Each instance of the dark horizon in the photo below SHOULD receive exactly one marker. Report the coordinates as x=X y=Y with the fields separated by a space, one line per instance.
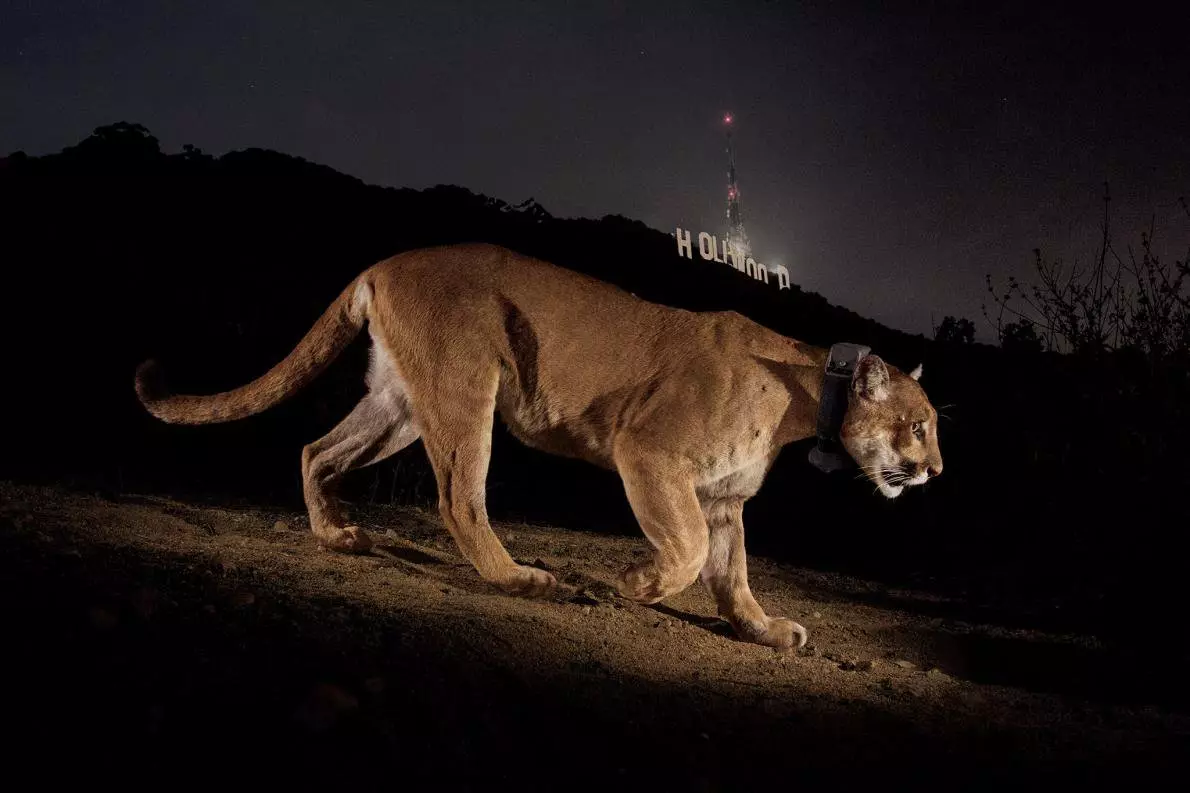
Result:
x=888 y=160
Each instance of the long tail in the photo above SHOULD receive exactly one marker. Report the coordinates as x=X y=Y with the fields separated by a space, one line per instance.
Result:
x=331 y=334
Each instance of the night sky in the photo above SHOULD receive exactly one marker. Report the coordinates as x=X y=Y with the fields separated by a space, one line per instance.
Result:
x=889 y=160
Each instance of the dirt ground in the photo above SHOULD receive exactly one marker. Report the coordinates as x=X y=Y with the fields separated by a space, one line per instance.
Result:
x=162 y=643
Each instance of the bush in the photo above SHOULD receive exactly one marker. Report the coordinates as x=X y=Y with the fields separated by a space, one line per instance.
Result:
x=1117 y=303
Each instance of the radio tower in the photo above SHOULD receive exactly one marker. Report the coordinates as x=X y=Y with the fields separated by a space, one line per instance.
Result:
x=737 y=239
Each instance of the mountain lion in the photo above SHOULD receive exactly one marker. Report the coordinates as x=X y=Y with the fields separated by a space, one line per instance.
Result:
x=689 y=408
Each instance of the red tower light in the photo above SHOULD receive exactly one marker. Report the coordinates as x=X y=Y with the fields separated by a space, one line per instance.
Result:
x=727 y=119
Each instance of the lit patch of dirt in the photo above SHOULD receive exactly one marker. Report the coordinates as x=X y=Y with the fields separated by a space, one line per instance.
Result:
x=150 y=633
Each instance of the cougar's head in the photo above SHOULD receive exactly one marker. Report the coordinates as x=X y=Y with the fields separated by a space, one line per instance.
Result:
x=891 y=429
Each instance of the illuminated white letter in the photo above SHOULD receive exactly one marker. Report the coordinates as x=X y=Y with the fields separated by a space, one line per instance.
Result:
x=782 y=275
x=704 y=246
x=684 y=248
x=715 y=249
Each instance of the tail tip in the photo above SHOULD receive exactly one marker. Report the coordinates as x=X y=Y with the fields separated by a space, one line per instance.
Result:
x=149 y=386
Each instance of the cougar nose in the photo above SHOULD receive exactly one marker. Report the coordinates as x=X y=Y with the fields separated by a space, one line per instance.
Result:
x=933 y=470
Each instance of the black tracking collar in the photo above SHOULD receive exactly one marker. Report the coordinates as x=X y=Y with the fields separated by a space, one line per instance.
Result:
x=829 y=455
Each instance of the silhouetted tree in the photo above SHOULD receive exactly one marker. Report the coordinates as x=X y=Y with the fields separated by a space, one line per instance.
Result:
x=954 y=330
x=121 y=140
x=1020 y=336
x=191 y=153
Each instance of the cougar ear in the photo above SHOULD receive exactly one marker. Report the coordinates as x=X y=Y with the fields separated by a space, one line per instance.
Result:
x=916 y=373
x=870 y=380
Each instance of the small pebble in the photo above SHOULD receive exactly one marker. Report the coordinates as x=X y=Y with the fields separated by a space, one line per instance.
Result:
x=102 y=619
x=242 y=599
x=325 y=705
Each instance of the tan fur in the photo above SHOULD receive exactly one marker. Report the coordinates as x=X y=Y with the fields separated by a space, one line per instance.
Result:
x=690 y=409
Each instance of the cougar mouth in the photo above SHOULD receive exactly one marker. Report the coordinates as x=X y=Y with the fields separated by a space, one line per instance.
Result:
x=889 y=480
x=893 y=481
x=891 y=485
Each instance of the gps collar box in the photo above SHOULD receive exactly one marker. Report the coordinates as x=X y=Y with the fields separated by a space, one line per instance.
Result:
x=829 y=455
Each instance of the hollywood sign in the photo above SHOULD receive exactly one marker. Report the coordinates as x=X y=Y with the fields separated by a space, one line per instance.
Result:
x=712 y=250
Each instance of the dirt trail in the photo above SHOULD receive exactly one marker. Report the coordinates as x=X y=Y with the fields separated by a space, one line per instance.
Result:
x=149 y=632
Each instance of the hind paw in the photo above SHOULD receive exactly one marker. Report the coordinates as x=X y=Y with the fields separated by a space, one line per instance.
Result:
x=529 y=582
x=345 y=539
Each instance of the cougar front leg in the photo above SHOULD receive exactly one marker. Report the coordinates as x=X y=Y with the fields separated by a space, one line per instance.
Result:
x=379 y=426
x=666 y=507
x=726 y=576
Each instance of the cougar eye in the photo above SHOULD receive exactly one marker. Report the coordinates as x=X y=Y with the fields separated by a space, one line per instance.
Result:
x=918 y=430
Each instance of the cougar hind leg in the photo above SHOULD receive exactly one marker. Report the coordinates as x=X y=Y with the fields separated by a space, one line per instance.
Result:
x=381 y=425
x=458 y=440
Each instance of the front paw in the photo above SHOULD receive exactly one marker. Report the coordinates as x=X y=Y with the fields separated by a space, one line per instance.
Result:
x=776 y=632
x=640 y=583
